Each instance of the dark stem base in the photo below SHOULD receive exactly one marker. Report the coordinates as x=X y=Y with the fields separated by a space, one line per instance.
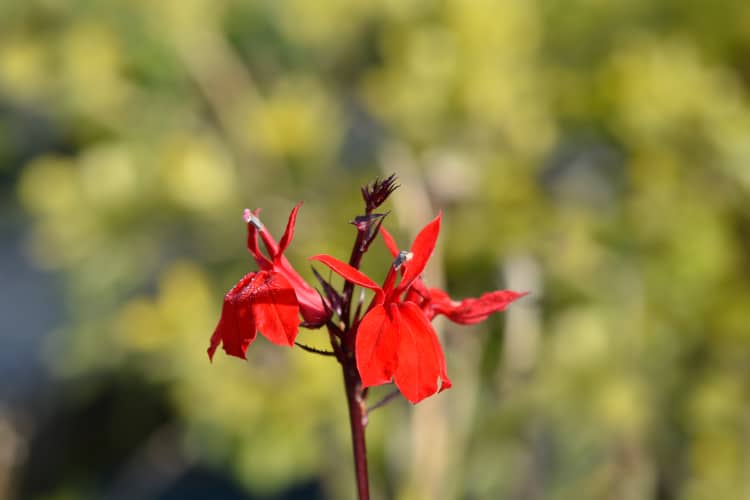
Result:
x=357 y=422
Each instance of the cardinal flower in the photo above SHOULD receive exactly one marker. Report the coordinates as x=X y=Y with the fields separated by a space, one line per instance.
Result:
x=270 y=300
x=310 y=303
x=434 y=301
x=395 y=340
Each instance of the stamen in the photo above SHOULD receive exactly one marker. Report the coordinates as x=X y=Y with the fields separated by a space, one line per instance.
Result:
x=250 y=218
x=403 y=256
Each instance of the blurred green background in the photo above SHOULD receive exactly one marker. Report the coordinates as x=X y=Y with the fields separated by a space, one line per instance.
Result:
x=596 y=153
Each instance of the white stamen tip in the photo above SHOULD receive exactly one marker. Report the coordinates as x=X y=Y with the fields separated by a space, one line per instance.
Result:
x=403 y=256
x=249 y=218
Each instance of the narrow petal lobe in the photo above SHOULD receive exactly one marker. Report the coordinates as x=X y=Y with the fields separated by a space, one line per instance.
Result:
x=421 y=363
x=422 y=248
x=473 y=310
x=348 y=272
x=286 y=238
x=390 y=243
x=376 y=345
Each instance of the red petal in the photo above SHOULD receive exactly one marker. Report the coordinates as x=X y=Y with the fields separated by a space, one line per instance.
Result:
x=421 y=363
x=311 y=305
x=389 y=242
x=376 y=345
x=253 y=247
x=420 y=295
x=422 y=249
x=349 y=273
x=262 y=301
x=286 y=238
x=275 y=308
x=236 y=328
x=470 y=311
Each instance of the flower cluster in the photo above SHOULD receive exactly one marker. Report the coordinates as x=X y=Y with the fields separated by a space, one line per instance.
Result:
x=393 y=340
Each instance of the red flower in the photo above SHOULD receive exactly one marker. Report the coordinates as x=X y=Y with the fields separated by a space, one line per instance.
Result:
x=434 y=301
x=468 y=311
x=395 y=340
x=270 y=300
x=310 y=303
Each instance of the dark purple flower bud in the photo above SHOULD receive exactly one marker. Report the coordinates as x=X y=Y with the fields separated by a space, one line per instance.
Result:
x=378 y=191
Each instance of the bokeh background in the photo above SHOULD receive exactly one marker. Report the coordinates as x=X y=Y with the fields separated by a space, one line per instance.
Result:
x=594 y=153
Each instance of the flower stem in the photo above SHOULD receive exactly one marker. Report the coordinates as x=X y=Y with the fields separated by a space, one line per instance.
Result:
x=357 y=422
x=343 y=337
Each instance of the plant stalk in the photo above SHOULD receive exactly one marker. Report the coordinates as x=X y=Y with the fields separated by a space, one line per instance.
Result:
x=357 y=422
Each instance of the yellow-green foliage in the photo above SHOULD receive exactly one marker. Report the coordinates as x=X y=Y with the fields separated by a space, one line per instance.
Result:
x=605 y=143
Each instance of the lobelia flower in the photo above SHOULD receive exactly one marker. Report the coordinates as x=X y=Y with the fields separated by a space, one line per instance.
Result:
x=392 y=341
x=395 y=340
x=269 y=300
x=434 y=301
